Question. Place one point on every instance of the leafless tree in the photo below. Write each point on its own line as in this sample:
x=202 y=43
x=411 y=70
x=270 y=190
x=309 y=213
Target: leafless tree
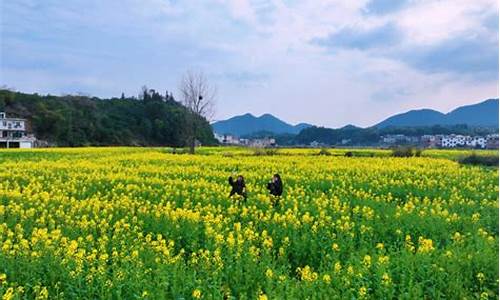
x=198 y=96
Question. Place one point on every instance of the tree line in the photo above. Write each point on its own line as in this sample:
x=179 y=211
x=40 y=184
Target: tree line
x=150 y=119
x=356 y=136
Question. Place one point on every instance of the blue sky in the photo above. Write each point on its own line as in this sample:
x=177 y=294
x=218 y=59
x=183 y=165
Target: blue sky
x=329 y=63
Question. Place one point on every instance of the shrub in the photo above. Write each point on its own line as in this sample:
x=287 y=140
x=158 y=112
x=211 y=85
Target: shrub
x=179 y=151
x=265 y=151
x=227 y=154
x=348 y=154
x=405 y=152
x=324 y=151
x=482 y=160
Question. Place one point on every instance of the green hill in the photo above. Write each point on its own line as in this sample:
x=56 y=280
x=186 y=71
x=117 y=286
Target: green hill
x=153 y=120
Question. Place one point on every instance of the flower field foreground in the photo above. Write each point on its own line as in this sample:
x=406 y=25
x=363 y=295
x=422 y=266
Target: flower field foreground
x=131 y=223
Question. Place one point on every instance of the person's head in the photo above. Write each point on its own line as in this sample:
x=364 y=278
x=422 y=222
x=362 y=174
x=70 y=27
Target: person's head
x=276 y=177
x=240 y=178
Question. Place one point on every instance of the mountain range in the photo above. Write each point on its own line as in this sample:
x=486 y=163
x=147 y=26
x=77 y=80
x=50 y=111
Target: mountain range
x=248 y=124
x=483 y=114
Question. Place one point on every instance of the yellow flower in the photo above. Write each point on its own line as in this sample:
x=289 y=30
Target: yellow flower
x=335 y=247
x=269 y=273
x=3 y=277
x=380 y=246
x=362 y=292
x=386 y=279
x=457 y=237
x=196 y=294
x=367 y=260
x=327 y=278
x=350 y=270
x=480 y=276
x=337 y=267
x=307 y=274
x=425 y=245
x=475 y=217
x=268 y=242
x=9 y=294
x=262 y=296
x=409 y=243
x=43 y=294
x=384 y=259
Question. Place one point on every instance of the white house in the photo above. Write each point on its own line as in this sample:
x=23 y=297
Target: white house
x=219 y=137
x=262 y=143
x=13 y=133
x=475 y=141
x=227 y=139
x=314 y=144
x=452 y=141
x=397 y=138
x=492 y=141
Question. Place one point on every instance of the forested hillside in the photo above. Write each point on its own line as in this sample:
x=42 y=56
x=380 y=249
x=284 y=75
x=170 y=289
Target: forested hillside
x=149 y=120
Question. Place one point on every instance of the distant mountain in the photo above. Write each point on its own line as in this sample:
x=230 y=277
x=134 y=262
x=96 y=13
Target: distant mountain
x=481 y=114
x=247 y=124
x=350 y=127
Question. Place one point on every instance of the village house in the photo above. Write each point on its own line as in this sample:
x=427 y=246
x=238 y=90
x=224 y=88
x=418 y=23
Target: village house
x=262 y=143
x=13 y=133
x=475 y=142
x=492 y=141
x=227 y=139
x=444 y=141
x=452 y=141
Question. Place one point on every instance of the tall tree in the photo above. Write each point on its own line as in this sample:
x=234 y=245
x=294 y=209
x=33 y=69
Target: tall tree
x=198 y=96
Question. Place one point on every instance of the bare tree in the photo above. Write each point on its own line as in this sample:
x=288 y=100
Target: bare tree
x=198 y=96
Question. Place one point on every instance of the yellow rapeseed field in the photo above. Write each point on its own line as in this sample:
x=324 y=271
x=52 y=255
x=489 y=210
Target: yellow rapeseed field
x=136 y=223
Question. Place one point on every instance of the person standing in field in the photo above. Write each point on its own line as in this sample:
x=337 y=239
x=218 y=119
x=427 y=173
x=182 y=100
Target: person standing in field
x=238 y=187
x=275 y=187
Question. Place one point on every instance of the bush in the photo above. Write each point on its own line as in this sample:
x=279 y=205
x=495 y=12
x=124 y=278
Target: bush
x=480 y=160
x=228 y=154
x=179 y=151
x=348 y=154
x=406 y=152
x=324 y=151
x=265 y=151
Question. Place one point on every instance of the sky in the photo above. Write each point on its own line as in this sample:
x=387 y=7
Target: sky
x=329 y=63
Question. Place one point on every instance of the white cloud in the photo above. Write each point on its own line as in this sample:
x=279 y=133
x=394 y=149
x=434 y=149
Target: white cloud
x=258 y=52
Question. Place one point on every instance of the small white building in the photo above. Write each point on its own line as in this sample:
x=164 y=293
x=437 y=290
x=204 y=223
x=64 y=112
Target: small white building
x=492 y=141
x=227 y=139
x=394 y=138
x=244 y=142
x=429 y=141
x=452 y=141
x=13 y=133
x=475 y=141
x=219 y=137
x=262 y=143
x=314 y=144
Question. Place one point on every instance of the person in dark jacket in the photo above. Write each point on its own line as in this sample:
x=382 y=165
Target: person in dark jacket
x=275 y=187
x=238 y=187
